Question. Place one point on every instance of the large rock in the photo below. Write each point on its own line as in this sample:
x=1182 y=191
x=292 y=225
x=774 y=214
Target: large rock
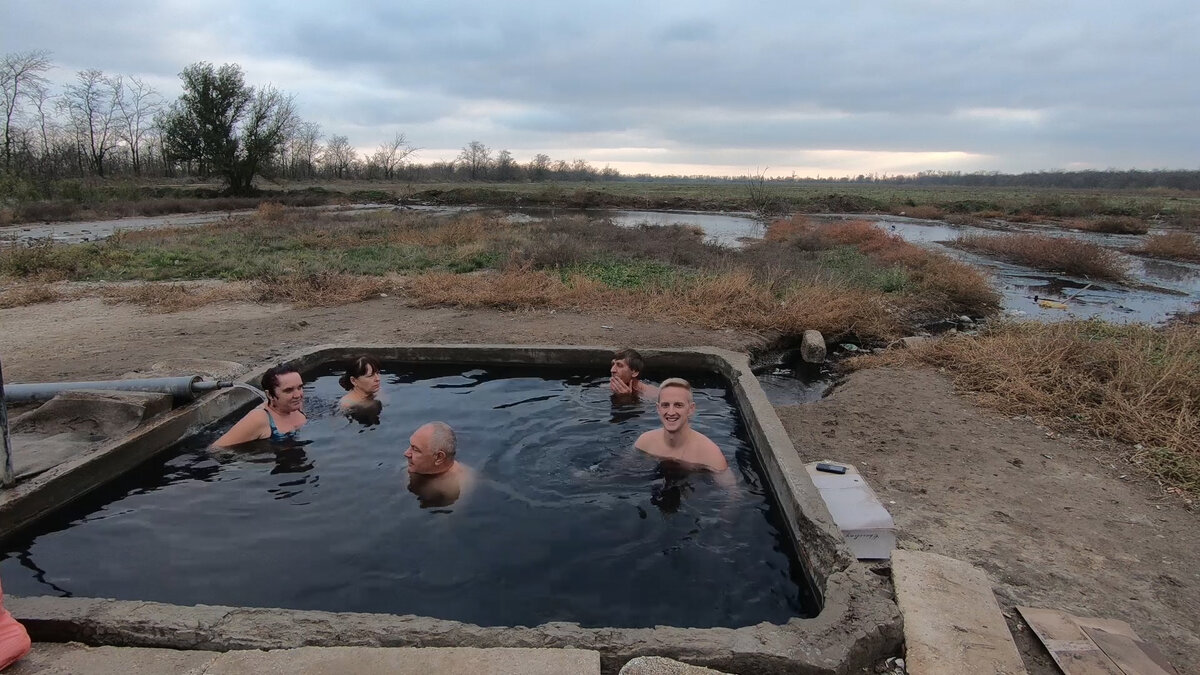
x=812 y=347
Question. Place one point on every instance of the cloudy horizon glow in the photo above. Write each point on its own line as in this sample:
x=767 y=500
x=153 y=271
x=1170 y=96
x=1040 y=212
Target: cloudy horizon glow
x=703 y=87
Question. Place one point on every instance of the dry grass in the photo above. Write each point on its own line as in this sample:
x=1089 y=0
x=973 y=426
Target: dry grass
x=730 y=300
x=1133 y=383
x=1055 y=254
x=1172 y=245
x=923 y=211
x=321 y=289
x=1110 y=224
x=20 y=295
x=167 y=298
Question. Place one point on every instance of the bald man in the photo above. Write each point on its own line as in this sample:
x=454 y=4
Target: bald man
x=435 y=476
x=676 y=440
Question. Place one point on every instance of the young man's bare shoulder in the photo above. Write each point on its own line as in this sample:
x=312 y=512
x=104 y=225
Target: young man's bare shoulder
x=648 y=440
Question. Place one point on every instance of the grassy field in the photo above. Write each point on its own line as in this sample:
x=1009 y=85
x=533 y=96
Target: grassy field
x=849 y=280
x=1085 y=208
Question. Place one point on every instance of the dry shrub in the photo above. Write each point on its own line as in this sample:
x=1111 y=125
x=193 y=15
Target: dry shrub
x=321 y=289
x=517 y=288
x=29 y=294
x=1133 y=383
x=925 y=212
x=1171 y=245
x=1110 y=225
x=270 y=212
x=167 y=298
x=1056 y=254
x=784 y=230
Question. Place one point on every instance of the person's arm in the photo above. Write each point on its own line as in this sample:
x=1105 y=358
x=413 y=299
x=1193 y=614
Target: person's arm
x=647 y=391
x=619 y=387
x=249 y=428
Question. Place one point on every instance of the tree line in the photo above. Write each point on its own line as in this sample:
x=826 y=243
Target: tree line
x=106 y=125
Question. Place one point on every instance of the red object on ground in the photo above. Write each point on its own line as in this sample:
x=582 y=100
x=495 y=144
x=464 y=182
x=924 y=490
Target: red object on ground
x=14 y=641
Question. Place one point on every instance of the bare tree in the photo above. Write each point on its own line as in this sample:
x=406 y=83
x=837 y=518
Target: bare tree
x=137 y=103
x=339 y=156
x=391 y=155
x=539 y=166
x=475 y=157
x=304 y=146
x=506 y=167
x=20 y=78
x=91 y=107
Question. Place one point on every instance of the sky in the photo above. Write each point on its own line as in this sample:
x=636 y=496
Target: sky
x=831 y=88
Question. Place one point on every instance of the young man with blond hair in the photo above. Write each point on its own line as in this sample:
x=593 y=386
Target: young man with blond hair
x=676 y=440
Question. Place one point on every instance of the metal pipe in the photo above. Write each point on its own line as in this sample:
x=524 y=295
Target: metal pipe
x=7 y=477
x=180 y=387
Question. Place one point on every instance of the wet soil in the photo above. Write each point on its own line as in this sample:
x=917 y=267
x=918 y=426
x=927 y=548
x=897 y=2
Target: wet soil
x=1051 y=520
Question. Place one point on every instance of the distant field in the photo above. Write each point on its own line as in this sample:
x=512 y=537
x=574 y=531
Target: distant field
x=956 y=204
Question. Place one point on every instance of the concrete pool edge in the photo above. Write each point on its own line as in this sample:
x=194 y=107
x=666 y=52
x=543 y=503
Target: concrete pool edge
x=858 y=625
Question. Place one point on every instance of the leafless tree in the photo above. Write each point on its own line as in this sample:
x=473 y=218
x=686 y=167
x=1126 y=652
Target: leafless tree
x=391 y=155
x=339 y=156
x=304 y=146
x=539 y=166
x=20 y=79
x=137 y=104
x=475 y=157
x=506 y=167
x=91 y=108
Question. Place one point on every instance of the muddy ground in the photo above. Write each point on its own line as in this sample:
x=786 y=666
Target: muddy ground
x=1056 y=522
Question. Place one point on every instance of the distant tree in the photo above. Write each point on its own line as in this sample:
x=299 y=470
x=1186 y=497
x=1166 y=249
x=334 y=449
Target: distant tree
x=303 y=147
x=539 y=167
x=391 y=155
x=138 y=103
x=20 y=79
x=339 y=156
x=225 y=126
x=474 y=159
x=506 y=168
x=91 y=108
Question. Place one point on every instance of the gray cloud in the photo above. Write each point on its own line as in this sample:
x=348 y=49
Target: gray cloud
x=1023 y=84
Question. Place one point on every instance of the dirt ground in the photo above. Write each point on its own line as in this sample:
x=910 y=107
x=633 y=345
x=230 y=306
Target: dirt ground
x=1051 y=520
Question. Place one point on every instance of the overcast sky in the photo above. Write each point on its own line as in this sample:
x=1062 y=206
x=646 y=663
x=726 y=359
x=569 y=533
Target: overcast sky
x=727 y=88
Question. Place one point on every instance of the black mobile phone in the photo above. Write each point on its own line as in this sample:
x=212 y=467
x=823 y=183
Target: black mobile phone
x=830 y=468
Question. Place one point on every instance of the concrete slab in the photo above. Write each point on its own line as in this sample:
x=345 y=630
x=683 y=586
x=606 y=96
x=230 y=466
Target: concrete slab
x=34 y=453
x=660 y=665
x=952 y=624
x=869 y=529
x=72 y=658
x=100 y=414
x=408 y=661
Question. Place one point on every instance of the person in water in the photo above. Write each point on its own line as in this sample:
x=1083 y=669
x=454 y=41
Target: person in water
x=279 y=418
x=626 y=367
x=361 y=380
x=676 y=440
x=435 y=476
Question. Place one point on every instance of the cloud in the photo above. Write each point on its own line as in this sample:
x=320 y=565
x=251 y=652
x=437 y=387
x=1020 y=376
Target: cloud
x=1022 y=84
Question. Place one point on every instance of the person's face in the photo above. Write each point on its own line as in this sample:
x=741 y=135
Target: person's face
x=422 y=458
x=675 y=408
x=288 y=393
x=621 y=370
x=367 y=384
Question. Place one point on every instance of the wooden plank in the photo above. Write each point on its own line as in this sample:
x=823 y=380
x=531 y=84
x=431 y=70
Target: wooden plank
x=1070 y=647
x=952 y=624
x=1132 y=655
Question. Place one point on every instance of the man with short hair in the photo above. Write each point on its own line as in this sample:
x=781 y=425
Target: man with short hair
x=676 y=440
x=434 y=475
x=626 y=367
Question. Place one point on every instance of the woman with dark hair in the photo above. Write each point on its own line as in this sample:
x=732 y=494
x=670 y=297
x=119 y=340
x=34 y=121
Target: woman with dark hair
x=279 y=418
x=361 y=379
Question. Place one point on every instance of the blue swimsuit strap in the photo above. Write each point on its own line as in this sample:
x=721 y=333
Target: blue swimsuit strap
x=276 y=434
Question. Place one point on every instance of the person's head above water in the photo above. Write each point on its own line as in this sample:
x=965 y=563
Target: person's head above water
x=284 y=388
x=627 y=364
x=675 y=403
x=361 y=377
x=432 y=449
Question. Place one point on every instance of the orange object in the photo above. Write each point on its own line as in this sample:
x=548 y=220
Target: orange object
x=14 y=641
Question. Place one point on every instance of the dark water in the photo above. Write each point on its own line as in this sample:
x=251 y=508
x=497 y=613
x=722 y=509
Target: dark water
x=566 y=523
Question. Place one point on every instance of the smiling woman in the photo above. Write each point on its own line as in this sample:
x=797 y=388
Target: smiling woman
x=279 y=418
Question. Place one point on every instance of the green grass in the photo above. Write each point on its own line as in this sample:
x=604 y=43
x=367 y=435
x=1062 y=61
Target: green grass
x=635 y=274
x=859 y=270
